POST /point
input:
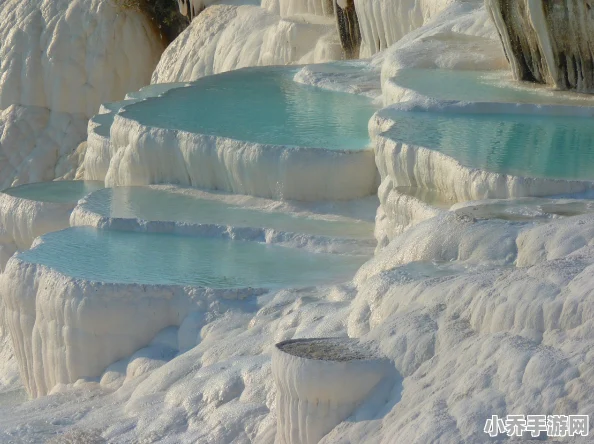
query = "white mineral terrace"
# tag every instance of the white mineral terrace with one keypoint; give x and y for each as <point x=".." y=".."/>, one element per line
<point x="186" y="211"/>
<point x="28" y="211"/>
<point x="113" y="291"/>
<point x="381" y="250"/>
<point x="304" y="132"/>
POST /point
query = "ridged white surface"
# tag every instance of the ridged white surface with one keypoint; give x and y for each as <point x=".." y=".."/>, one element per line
<point x="399" y="211"/>
<point x="287" y="8"/>
<point x="225" y="37"/>
<point x="59" y="60"/>
<point x="36" y="145"/>
<point x="142" y="155"/>
<point x="384" y="22"/>
<point x="70" y="56"/>
<point x="22" y="220"/>
<point x="64" y="329"/>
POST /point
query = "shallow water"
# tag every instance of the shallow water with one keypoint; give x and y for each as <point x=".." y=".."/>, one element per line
<point x="62" y="191"/>
<point x="262" y="105"/>
<point x="556" y="147"/>
<point x="127" y="257"/>
<point x="482" y="86"/>
<point x="181" y="205"/>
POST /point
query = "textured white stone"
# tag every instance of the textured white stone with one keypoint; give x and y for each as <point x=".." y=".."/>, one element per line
<point x="36" y="144"/>
<point x="22" y="220"/>
<point x="59" y="60"/>
<point x="399" y="211"/>
<point x="472" y="336"/>
<point x="384" y="22"/>
<point x="71" y="56"/>
<point x="287" y="8"/>
<point x="65" y="329"/>
<point x="141" y="155"/>
<point x="227" y="37"/>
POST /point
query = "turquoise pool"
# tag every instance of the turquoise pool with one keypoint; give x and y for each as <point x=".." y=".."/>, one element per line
<point x="557" y="147"/>
<point x="483" y="86"/>
<point x="190" y="206"/>
<point x="126" y="257"/>
<point x="261" y="105"/>
<point x="106" y="119"/>
<point x="61" y="191"/>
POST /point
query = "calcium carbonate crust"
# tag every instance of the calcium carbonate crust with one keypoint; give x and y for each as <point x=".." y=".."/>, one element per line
<point x="142" y="155"/>
<point x="59" y="60"/>
<point x="227" y="37"/>
<point x="23" y="220"/>
<point x="71" y="56"/>
<point x="65" y="329"/>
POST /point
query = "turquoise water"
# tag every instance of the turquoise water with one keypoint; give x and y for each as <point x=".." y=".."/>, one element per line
<point x="105" y="120"/>
<point x="127" y="257"/>
<point x="523" y="145"/>
<point x="482" y="86"/>
<point x="262" y="105"/>
<point x="186" y="206"/>
<point x="62" y="191"/>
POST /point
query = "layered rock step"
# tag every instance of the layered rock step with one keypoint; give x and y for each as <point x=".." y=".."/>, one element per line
<point x="304" y="143"/>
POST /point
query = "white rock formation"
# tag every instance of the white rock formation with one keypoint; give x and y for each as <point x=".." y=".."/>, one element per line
<point x="226" y="37"/>
<point x="59" y="60"/>
<point x="288" y="8"/>
<point x="384" y="22"/>
<point x="71" y="56"/>
<point x="141" y="155"/>
<point x="22" y="220"/>
<point x="400" y="210"/>
<point x="503" y="325"/>
<point x="311" y="377"/>
<point x="35" y="144"/>
<point x="65" y="329"/>
<point x="548" y="42"/>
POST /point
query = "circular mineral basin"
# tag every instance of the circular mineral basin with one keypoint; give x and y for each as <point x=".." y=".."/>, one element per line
<point x="540" y="146"/>
<point x="62" y="191"/>
<point x="155" y="258"/>
<point x="327" y="349"/>
<point x="189" y="206"/>
<point x="261" y="105"/>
